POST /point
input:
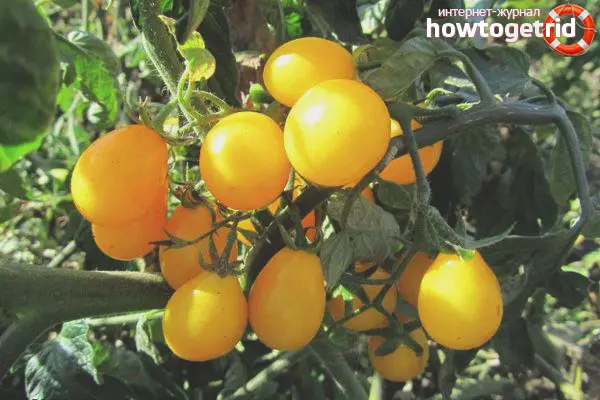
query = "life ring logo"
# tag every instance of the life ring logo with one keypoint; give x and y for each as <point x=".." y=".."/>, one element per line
<point x="585" y="19"/>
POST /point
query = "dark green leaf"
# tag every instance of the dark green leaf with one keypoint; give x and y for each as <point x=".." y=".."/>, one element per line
<point x="472" y="152"/>
<point x="560" y="174"/>
<point x="336" y="256"/>
<point x="235" y="376"/>
<point x="504" y="68"/>
<point x="592" y="228"/>
<point x="514" y="346"/>
<point x="215" y="31"/>
<point x="569" y="288"/>
<point x="400" y="17"/>
<point x="336" y="18"/>
<point x="395" y="196"/>
<point x="12" y="184"/>
<point x="193" y="18"/>
<point x="148" y="330"/>
<point x="63" y="365"/>
<point x="398" y="71"/>
<point x="512" y="286"/>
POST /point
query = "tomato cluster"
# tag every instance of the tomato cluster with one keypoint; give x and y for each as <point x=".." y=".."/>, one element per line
<point x="337" y="130"/>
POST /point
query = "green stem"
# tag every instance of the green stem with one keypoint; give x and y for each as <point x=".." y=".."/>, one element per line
<point x="377" y="388"/>
<point x="485" y="93"/>
<point x="85" y="15"/>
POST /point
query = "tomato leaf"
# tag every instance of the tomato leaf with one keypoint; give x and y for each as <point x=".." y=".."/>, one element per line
<point x="193" y="18"/>
<point x="395" y="196"/>
<point x="60" y="368"/>
<point x="336" y="256"/>
<point x="569" y="288"/>
<point x="514" y="345"/>
<point x="9" y="154"/>
<point x="11" y="183"/>
<point x="148" y="332"/>
<point x="98" y="48"/>
<point x="339" y="18"/>
<point x="400" y="17"/>
<point x="560" y="174"/>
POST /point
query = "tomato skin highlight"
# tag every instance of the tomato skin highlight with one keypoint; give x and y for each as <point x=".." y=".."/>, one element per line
<point x="133" y="240"/>
<point x="300" y="64"/>
<point x="371" y="318"/>
<point x="337" y="132"/>
<point x="287" y="300"/>
<point x="119" y="175"/>
<point x="409" y="282"/>
<point x="403" y="364"/>
<point x="400" y="170"/>
<point x="243" y="162"/>
<point x="460" y="302"/>
<point x="205" y="318"/>
<point x="179" y="265"/>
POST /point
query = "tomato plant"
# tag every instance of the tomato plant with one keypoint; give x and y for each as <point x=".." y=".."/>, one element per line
<point x="419" y="215"/>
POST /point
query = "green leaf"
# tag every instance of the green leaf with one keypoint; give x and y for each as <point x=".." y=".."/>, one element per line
<point x="200" y="62"/>
<point x="98" y="48"/>
<point x="236" y="374"/>
<point x="148" y="330"/>
<point x="514" y="346"/>
<point x="512" y="286"/>
<point x="333" y="361"/>
<point x="12" y="184"/>
<point x="59" y="369"/>
<point x="194" y="17"/>
<point x="592" y="227"/>
<point x="372" y="15"/>
<point x="504" y="68"/>
<point x="395" y="196"/>
<point x="400" y="17"/>
<point x="560" y="174"/>
<point x="472" y="152"/>
<point x="397" y="72"/>
<point x="92" y="76"/>
<point x="569" y="288"/>
<point x="215" y="31"/>
<point x="29" y="81"/>
<point x="336" y="256"/>
<point x="336" y="19"/>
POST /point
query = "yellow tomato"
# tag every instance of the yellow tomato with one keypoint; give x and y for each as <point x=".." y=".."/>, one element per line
<point x="287" y="300"/>
<point x="300" y="64"/>
<point x="118" y="176"/>
<point x="410" y="279"/>
<point x="403" y="364"/>
<point x="460" y="302"/>
<point x="371" y="318"/>
<point x="205" y="318"/>
<point x="401" y="170"/>
<point x="179" y="265"/>
<point x="243" y="162"/>
<point x="132" y="240"/>
<point x="337" y="132"/>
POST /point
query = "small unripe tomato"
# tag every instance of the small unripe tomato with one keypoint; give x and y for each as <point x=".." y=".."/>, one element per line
<point x="403" y="364"/>
<point x="337" y="132"/>
<point x="410" y="279"/>
<point x="205" y="318"/>
<point x="133" y="240"/>
<point x="179" y="265"/>
<point x="287" y="300"/>
<point x="371" y="318"/>
<point x="401" y="170"/>
<point x="118" y="176"/>
<point x="300" y="64"/>
<point x="460" y="302"/>
<point x="243" y="162"/>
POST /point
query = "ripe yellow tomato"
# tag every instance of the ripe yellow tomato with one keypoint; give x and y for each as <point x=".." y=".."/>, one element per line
<point x="179" y="265"/>
<point x="403" y="364"/>
<point x="410" y="279"/>
<point x="118" y="176"/>
<point x="243" y="162"/>
<point x="205" y="318"/>
<point x="460" y="302"/>
<point x="300" y="64"/>
<point x="371" y="318"/>
<point x="337" y="132"/>
<point x="132" y="240"/>
<point x="400" y="170"/>
<point x="287" y="300"/>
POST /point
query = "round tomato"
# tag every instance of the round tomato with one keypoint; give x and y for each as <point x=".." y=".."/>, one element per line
<point x="460" y="302"/>
<point x="205" y="318"/>
<point x="287" y="300"/>
<point x="179" y="265"/>
<point x="243" y="162"/>
<point x="300" y="64"/>
<point x="410" y="279"/>
<point x="371" y="318"/>
<point x="118" y="176"/>
<point x="400" y="170"/>
<point x="402" y="364"/>
<point x="337" y="132"/>
<point x="133" y="240"/>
